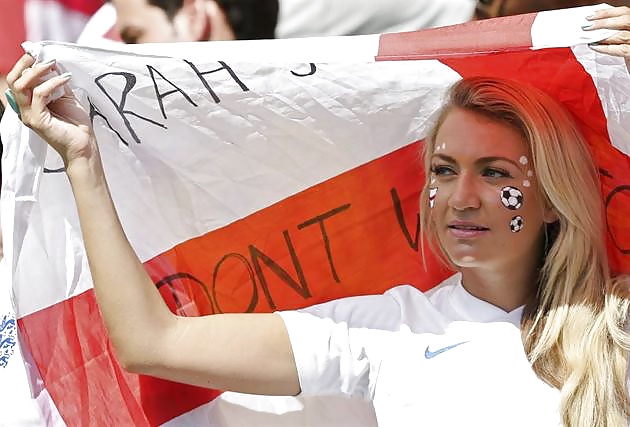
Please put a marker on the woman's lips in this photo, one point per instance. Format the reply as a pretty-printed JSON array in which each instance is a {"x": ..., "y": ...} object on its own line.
[{"x": 466, "y": 230}]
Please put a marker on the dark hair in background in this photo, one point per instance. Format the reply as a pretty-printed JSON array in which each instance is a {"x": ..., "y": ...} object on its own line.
[{"x": 249, "y": 19}]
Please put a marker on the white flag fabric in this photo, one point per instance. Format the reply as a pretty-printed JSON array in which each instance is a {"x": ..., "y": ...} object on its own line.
[{"x": 265, "y": 175}]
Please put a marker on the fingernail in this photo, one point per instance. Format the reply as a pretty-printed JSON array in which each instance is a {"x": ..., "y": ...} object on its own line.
[
  {"x": 594, "y": 44},
  {"x": 587, "y": 26},
  {"x": 589, "y": 17},
  {"x": 12, "y": 102},
  {"x": 48, "y": 63},
  {"x": 66, "y": 76}
]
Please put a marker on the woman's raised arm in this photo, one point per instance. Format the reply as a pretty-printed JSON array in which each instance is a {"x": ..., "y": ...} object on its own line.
[{"x": 248, "y": 353}]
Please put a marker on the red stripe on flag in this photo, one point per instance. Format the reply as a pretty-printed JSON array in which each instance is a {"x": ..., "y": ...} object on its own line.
[
  {"x": 492, "y": 35},
  {"x": 354, "y": 234},
  {"x": 70, "y": 348}
]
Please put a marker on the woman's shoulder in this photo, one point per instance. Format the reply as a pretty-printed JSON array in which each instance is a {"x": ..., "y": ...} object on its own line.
[
  {"x": 412, "y": 298},
  {"x": 401, "y": 307}
]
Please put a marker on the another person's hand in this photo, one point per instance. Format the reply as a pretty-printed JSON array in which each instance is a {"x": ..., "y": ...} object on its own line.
[
  {"x": 616, "y": 18},
  {"x": 63, "y": 123}
]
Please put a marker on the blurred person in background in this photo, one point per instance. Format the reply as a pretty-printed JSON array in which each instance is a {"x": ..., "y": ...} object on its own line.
[{"x": 151, "y": 21}]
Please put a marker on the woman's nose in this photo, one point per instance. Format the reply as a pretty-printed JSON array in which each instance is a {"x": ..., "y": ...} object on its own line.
[{"x": 464, "y": 193}]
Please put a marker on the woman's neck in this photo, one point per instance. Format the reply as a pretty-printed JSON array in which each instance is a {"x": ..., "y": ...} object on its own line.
[{"x": 507, "y": 288}]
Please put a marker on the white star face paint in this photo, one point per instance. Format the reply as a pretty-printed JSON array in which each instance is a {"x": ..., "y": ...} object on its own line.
[
  {"x": 516, "y": 224},
  {"x": 511, "y": 197},
  {"x": 523, "y": 160},
  {"x": 530, "y": 174},
  {"x": 526, "y": 183},
  {"x": 432, "y": 194}
]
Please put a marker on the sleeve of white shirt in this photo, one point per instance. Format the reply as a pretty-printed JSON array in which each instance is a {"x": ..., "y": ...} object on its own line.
[
  {"x": 368, "y": 311},
  {"x": 333, "y": 358}
]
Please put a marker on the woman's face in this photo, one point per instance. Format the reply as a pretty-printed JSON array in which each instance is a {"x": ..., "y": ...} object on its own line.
[{"x": 484, "y": 194}]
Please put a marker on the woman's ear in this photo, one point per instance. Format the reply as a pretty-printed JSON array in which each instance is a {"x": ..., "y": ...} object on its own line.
[{"x": 550, "y": 216}]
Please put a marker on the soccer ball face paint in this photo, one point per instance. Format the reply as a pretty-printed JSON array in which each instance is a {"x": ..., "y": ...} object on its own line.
[
  {"x": 516, "y": 224},
  {"x": 512, "y": 198}
]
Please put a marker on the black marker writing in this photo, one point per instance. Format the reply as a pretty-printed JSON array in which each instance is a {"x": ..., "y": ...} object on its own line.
[
  {"x": 223, "y": 66},
  {"x": 320, "y": 220},
  {"x": 253, "y": 302},
  {"x": 94, "y": 112},
  {"x": 313, "y": 69},
  {"x": 257, "y": 256},
  {"x": 130, "y": 82},
  {"x": 400, "y": 217},
  {"x": 616, "y": 192},
  {"x": 161, "y": 95},
  {"x": 171, "y": 280}
]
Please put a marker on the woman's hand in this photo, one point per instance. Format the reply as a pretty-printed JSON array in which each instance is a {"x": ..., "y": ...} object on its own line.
[
  {"x": 63, "y": 123},
  {"x": 616, "y": 18}
]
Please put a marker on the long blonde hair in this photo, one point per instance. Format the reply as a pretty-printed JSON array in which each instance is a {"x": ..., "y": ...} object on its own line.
[{"x": 573, "y": 330}]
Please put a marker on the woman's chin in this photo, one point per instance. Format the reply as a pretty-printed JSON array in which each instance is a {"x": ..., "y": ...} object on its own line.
[{"x": 464, "y": 259}]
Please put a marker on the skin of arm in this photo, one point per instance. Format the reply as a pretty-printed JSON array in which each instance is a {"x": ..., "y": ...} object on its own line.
[
  {"x": 249, "y": 353},
  {"x": 238, "y": 352}
]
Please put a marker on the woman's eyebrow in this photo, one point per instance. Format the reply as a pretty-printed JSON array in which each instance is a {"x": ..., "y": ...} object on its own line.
[
  {"x": 491, "y": 159},
  {"x": 480, "y": 161},
  {"x": 444, "y": 157}
]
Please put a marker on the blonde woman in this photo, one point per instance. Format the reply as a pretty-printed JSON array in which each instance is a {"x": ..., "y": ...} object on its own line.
[{"x": 530, "y": 332}]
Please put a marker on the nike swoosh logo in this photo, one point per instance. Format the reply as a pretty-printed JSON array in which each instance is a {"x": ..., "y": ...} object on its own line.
[{"x": 428, "y": 354}]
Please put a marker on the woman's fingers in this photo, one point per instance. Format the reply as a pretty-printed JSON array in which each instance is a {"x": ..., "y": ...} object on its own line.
[
  {"x": 42, "y": 94},
  {"x": 22, "y": 64},
  {"x": 617, "y": 45},
  {"x": 29, "y": 90},
  {"x": 621, "y": 37},
  {"x": 622, "y": 50},
  {"x": 29, "y": 78},
  {"x": 64, "y": 124},
  {"x": 32, "y": 75},
  {"x": 616, "y": 18},
  {"x": 612, "y": 18}
]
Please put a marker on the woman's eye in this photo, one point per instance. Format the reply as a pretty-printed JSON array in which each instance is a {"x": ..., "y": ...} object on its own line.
[
  {"x": 496, "y": 173},
  {"x": 442, "y": 170}
]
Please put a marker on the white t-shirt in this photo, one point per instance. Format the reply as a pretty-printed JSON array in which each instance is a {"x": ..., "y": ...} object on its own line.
[
  {"x": 309, "y": 18},
  {"x": 454, "y": 360}
]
